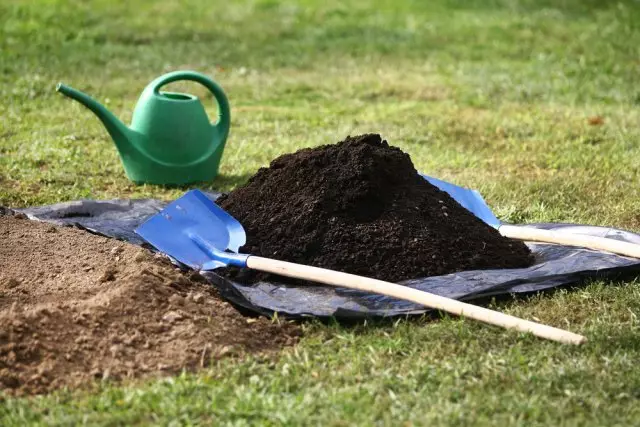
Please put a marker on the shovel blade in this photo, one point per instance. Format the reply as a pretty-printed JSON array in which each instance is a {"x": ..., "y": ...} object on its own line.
[
  {"x": 469, "y": 199},
  {"x": 194, "y": 231}
]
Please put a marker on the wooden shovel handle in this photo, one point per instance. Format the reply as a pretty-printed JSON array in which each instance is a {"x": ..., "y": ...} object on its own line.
[
  {"x": 426, "y": 299},
  {"x": 563, "y": 238}
]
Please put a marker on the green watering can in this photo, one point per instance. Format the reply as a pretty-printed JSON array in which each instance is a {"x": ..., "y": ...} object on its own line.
[{"x": 171, "y": 140}]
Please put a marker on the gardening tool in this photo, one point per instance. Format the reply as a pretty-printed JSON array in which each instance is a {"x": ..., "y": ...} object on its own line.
[
  {"x": 200, "y": 234},
  {"x": 171, "y": 140},
  {"x": 473, "y": 201}
]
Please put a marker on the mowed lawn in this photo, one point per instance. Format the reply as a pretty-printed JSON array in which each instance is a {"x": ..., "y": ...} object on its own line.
[{"x": 534, "y": 103}]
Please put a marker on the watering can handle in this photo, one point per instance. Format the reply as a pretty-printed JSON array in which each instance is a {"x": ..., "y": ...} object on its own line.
[{"x": 224, "y": 114}]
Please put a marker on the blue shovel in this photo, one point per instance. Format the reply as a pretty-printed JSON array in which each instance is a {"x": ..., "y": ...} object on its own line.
[
  {"x": 473, "y": 201},
  {"x": 200, "y": 234}
]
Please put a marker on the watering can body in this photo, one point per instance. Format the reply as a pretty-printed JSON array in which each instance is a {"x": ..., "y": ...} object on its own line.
[{"x": 171, "y": 140}]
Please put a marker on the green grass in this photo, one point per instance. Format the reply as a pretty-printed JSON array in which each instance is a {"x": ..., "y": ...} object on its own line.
[{"x": 494, "y": 95}]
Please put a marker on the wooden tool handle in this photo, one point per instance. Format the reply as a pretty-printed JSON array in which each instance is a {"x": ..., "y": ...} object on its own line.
[
  {"x": 563, "y": 238},
  {"x": 427, "y": 299}
]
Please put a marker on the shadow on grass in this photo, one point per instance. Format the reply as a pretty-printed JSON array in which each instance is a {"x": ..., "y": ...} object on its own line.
[{"x": 222, "y": 182}]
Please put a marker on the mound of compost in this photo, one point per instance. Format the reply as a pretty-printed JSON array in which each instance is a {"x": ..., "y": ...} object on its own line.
[
  {"x": 75, "y": 307},
  {"x": 360, "y": 206}
]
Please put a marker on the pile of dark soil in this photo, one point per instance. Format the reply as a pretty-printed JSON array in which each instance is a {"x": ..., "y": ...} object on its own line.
[
  {"x": 76, "y": 307},
  {"x": 360, "y": 206}
]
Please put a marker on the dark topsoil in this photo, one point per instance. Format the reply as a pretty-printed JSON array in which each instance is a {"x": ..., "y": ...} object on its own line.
[
  {"x": 360, "y": 206},
  {"x": 75, "y": 307}
]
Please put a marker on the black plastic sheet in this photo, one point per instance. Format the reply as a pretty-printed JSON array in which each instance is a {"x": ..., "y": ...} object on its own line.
[{"x": 555, "y": 266}]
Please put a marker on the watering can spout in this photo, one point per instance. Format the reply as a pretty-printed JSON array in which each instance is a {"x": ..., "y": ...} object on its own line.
[{"x": 118, "y": 130}]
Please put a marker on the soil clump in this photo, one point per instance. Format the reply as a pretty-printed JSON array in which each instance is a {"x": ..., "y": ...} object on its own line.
[
  {"x": 360, "y": 206},
  {"x": 75, "y": 307}
]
